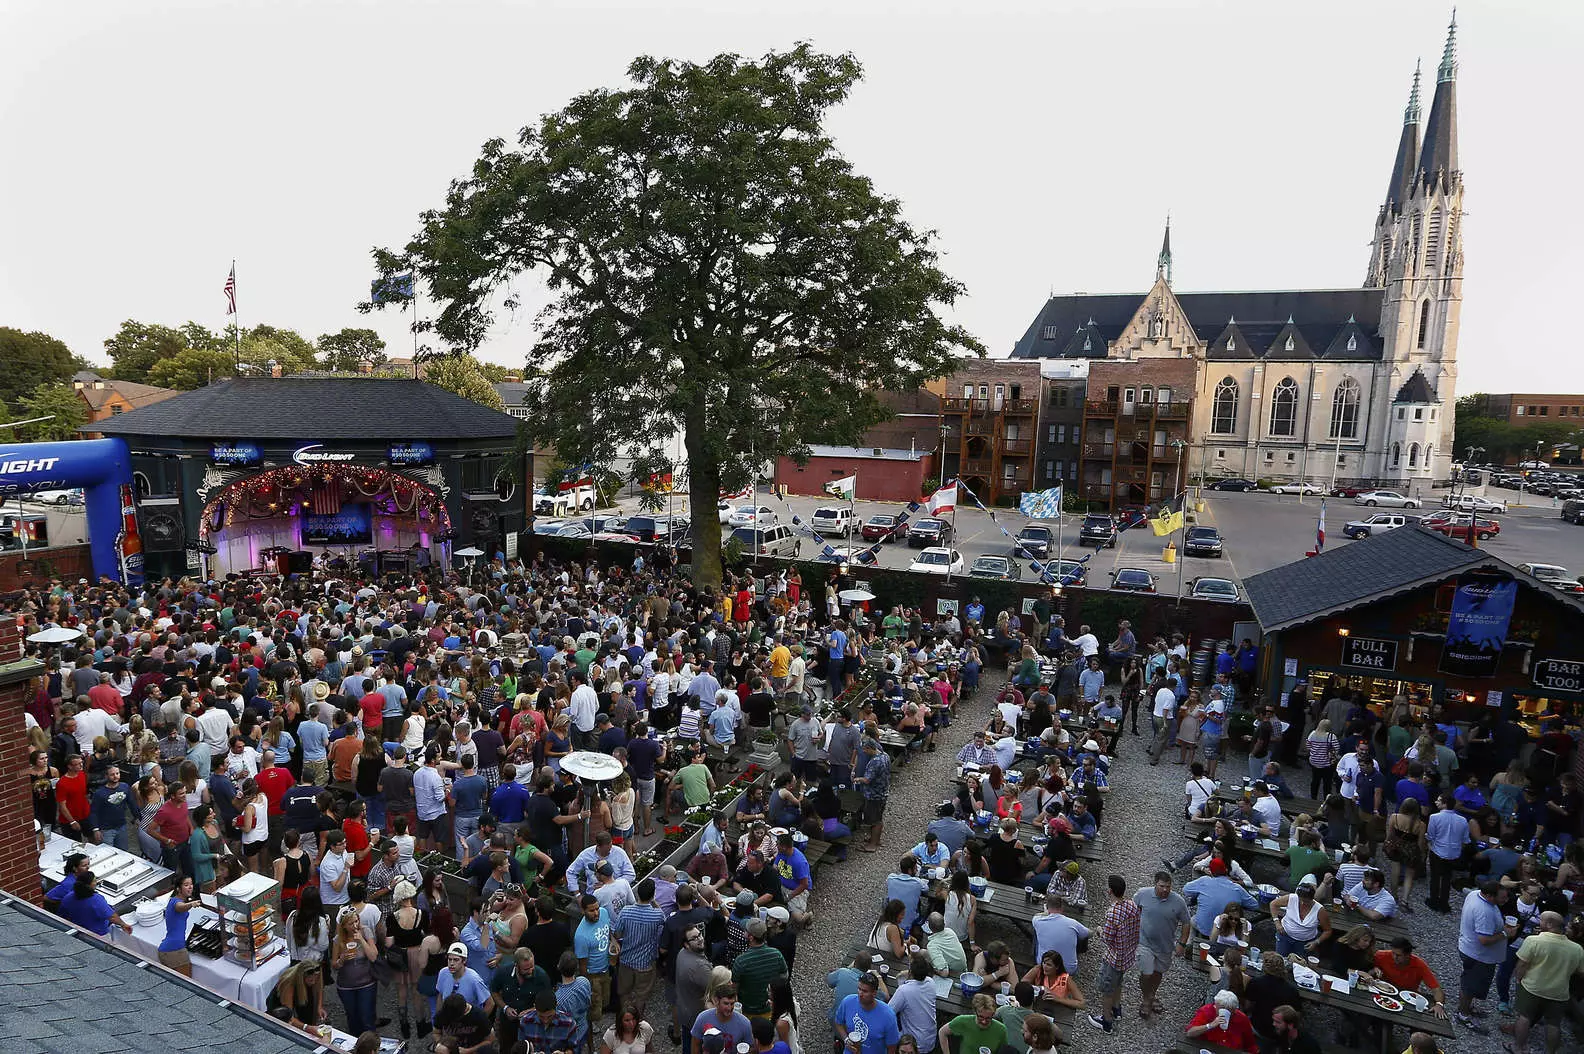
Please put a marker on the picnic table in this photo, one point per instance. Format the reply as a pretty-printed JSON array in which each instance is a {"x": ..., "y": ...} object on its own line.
[
  {"x": 1354, "y": 1004},
  {"x": 1344, "y": 918},
  {"x": 1012, "y": 903},
  {"x": 949, "y": 999},
  {"x": 1289, "y": 806},
  {"x": 1273, "y": 849}
]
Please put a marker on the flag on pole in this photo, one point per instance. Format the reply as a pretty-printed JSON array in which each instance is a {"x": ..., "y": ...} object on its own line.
[
  {"x": 1169, "y": 518},
  {"x": 230, "y": 291},
  {"x": 737, "y": 495},
  {"x": 398, "y": 287},
  {"x": 943, "y": 500},
  {"x": 845, "y": 487},
  {"x": 1041, "y": 504},
  {"x": 1320, "y": 529}
]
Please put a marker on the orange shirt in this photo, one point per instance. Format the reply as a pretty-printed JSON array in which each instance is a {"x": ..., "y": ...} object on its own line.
[
  {"x": 1406, "y": 978},
  {"x": 342, "y": 753}
]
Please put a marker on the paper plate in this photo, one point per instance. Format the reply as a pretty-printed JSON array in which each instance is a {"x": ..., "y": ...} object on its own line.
[
  {"x": 1386, "y": 1002},
  {"x": 1385, "y": 988}
]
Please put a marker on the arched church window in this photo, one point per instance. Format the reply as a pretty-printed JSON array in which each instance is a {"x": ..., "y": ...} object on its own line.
[
  {"x": 1396, "y": 454},
  {"x": 1284, "y": 408},
  {"x": 1424, "y": 323},
  {"x": 1413, "y": 455},
  {"x": 1223, "y": 413},
  {"x": 1344, "y": 410}
]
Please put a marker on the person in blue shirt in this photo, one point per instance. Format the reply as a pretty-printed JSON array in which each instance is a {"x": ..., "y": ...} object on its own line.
[
  {"x": 905, "y": 885},
  {"x": 468, "y": 791},
  {"x": 1212, "y": 893},
  {"x": 931, "y": 852},
  {"x": 1413, "y": 786},
  {"x": 975, "y": 611},
  {"x": 88, "y": 908},
  {"x": 792, "y": 867},
  {"x": 173, "y": 948},
  {"x": 315, "y": 740},
  {"x": 865, "y": 1025},
  {"x": 1091, "y": 681},
  {"x": 1084, "y": 825},
  {"x": 110, "y": 807},
  {"x": 460, "y": 978},
  {"x": 591, "y": 943},
  {"x": 1447, "y": 835},
  {"x": 509, "y": 801},
  {"x": 1483, "y": 935}
]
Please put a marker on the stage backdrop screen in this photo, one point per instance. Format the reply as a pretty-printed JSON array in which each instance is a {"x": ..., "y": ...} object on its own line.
[{"x": 351, "y": 526}]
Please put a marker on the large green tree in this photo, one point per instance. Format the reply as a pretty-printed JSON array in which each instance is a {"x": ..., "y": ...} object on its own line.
[
  {"x": 137, "y": 346},
  {"x": 192, "y": 368},
  {"x": 462, "y": 374},
  {"x": 28, "y": 360},
  {"x": 350, "y": 350},
  {"x": 61, "y": 404},
  {"x": 717, "y": 269},
  {"x": 1504, "y": 440}
]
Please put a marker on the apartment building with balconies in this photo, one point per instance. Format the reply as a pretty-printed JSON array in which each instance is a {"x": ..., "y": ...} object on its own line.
[
  {"x": 1137, "y": 425},
  {"x": 990, "y": 427}
]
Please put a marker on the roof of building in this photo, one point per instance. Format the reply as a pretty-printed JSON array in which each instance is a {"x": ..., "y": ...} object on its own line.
[
  {"x": 1416, "y": 389},
  {"x": 1370, "y": 569},
  {"x": 315, "y": 408},
  {"x": 874, "y": 453},
  {"x": 134, "y": 394},
  {"x": 513, "y": 393},
  {"x": 68, "y": 991},
  {"x": 1317, "y": 317}
]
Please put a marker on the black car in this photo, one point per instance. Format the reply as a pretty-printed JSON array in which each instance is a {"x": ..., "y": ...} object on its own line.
[
  {"x": 1098, "y": 531},
  {"x": 925, "y": 533},
  {"x": 1034, "y": 540},
  {"x": 1234, "y": 484},
  {"x": 1202, "y": 541}
]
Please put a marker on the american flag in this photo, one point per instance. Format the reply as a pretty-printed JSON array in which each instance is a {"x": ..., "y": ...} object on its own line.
[
  {"x": 230, "y": 291},
  {"x": 325, "y": 499},
  {"x": 1320, "y": 529}
]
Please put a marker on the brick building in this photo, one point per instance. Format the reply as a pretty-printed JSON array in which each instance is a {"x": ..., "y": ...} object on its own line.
[
  {"x": 1061, "y": 416},
  {"x": 884, "y": 474},
  {"x": 107, "y": 398},
  {"x": 1526, "y": 409},
  {"x": 1136, "y": 429},
  {"x": 989, "y": 425}
]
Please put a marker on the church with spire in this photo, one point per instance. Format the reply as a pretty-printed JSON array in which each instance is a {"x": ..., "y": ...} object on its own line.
[{"x": 1335, "y": 386}]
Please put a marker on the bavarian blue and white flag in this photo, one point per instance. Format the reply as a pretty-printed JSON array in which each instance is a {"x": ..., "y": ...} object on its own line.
[{"x": 1041, "y": 504}]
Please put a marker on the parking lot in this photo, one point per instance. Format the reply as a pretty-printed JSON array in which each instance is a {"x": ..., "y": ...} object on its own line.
[{"x": 1261, "y": 531}]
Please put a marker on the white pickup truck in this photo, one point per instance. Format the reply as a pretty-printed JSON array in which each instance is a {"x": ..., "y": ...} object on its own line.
[
  {"x": 564, "y": 499},
  {"x": 1376, "y": 524}
]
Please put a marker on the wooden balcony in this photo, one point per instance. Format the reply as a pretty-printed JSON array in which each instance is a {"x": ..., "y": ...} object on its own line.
[
  {"x": 990, "y": 406},
  {"x": 1017, "y": 447},
  {"x": 1102, "y": 450},
  {"x": 1099, "y": 408},
  {"x": 1021, "y": 407},
  {"x": 1171, "y": 412},
  {"x": 975, "y": 466}
]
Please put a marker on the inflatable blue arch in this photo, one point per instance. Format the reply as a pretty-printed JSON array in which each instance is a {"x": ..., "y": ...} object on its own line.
[{"x": 103, "y": 469}]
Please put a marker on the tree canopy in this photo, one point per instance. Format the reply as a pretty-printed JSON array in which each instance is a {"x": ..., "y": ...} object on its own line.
[
  {"x": 28, "y": 360},
  {"x": 1505, "y": 440},
  {"x": 717, "y": 270},
  {"x": 60, "y": 402},
  {"x": 192, "y": 368},
  {"x": 463, "y": 375},
  {"x": 350, "y": 350}
]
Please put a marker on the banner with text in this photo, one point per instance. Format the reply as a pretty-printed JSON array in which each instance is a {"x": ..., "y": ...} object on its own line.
[{"x": 1482, "y": 609}]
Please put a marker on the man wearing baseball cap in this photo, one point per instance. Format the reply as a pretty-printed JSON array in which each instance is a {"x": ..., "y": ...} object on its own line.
[{"x": 460, "y": 979}]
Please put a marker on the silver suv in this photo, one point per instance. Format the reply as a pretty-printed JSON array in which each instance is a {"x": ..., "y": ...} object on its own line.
[{"x": 775, "y": 540}]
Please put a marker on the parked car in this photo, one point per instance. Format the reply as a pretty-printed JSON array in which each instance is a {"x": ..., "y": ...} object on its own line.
[
  {"x": 1296, "y": 488},
  {"x": 848, "y": 554},
  {"x": 1573, "y": 510},
  {"x": 1534, "y": 464},
  {"x": 1201, "y": 540},
  {"x": 882, "y": 529},
  {"x": 1035, "y": 540},
  {"x": 69, "y": 496},
  {"x": 1390, "y": 499},
  {"x": 1066, "y": 572},
  {"x": 548, "y": 525},
  {"x": 928, "y": 532},
  {"x": 1235, "y": 483},
  {"x": 1133, "y": 580},
  {"x": 1554, "y": 575},
  {"x": 938, "y": 560},
  {"x": 833, "y": 519},
  {"x": 1379, "y": 523},
  {"x": 725, "y": 510},
  {"x": 750, "y": 516},
  {"x": 774, "y": 539},
  {"x": 999, "y": 567},
  {"x": 574, "y": 529},
  {"x": 656, "y": 528},
  {"x": 1347, "y": 491},
  {"x": 1098, "y": 531},
  {"x": 1223, "y": 589},
  {"x": 1130, "y": 516},
  {"x": 1473, "y": 503},
  {"x": 1456, "y": 525}
]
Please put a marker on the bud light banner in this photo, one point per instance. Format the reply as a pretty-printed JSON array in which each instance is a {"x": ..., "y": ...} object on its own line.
[
  {"x": 100, "y": 466},
  {"x": 414, "y": 453},
  {"x": 1482, "y": 608},
  {"x": 236, "y": 455}
]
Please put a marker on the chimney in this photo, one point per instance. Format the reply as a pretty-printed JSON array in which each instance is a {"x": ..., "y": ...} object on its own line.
[
  {"x": 19, "y": 873},
  {"x": 275, "y": 369}
]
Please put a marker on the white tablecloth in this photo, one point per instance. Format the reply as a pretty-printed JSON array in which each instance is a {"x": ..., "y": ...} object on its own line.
[{"x": 230, "y": 979}]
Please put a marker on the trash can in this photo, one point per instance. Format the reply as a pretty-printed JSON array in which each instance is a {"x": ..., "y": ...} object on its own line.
[{"x": 1169, "y": 554}]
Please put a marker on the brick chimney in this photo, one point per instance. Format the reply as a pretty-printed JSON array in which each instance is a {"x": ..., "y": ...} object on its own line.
[{"x": 19, "y": 873}]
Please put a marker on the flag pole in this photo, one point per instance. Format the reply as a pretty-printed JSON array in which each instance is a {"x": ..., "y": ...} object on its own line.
[
  {"x": 236, "y": 321},
  {"x": 1182, "y": 502}
]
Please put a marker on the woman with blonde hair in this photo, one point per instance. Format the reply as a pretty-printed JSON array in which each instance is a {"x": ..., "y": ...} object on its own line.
[
  {"x": 352, "y": 958},
  {"x": 1324, "y": 751},
  {"x": 720, "y": 977},
  {"x": 623, "y": 801},
  {"x": 409, "y": 924}
]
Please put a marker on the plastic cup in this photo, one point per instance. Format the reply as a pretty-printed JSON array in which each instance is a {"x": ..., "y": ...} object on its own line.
[{"x": 1006, "y": 987}]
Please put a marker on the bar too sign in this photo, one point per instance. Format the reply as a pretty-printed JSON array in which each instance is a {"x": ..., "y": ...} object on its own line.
[
  {"x": 1369, "y": 653},
  {"x": 1559, "y": 675}
]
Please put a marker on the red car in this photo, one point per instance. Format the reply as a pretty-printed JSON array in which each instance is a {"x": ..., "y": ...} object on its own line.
[
  {"x": 1458, "y": 526},
  {"x": 1348, "y": 492},
  {"x": 882, "y": 529}
]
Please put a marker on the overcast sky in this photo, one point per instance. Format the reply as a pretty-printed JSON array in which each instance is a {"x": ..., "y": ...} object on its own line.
[{"x": 147, "y": 144}]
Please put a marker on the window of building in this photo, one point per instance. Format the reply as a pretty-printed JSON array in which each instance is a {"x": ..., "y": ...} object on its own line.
[
  {"x": 1009, "y": 470},
  {"x": 1061, "y": 433},
  {"x": 1270, "y": 457},
  {"x": 1129, "y": 395},
  {"x": 1424, "y": 323},
  {"x": 1146, "y": 395},
  {"x": 967, "y": 391},
  {"x": 1344, "y": 410},
  {"x": 1401, "y": 414},
  {"x": 1050, "y": 434},
  {"x": 1284, "y": 408},
  {"x": 1048, "y": 333},
  {"x": 1105, "y": 477},
  {"x": 1220, "y": 455},
  {"x": 1016, "y": 391},
  {"x": 1050, "y": 470},
  {"x": 1012, "y": 430},
  {"x": 1110, "y": 435},
  {"x": 1061, "y": 393},
  {"x": 984, "y": 391},
  {"x": 1156, "y": 479},
  {"x": 1432, "y": 413},
  {"x": 1519, "y": 411},
  {"x": 1072, "y": 470},
  {"x": 1291, "y": 457},
  {"x": 1418, "y": 413},
  {"x": 1112, "y": 393},
  {"x": 1223, "y": 412},
  {"x": 1341, "y": 461},
  {"x": 1158, "y": 448},
  {"x": 1352, "y": 344},
  {"x": 1413, "y": 455},
  {"x": 1163, "y": 396},
  {"x": 117, "y": 409},
  {"x": 1545, "y": 411},
  {"x": 1396, "y": 454}
]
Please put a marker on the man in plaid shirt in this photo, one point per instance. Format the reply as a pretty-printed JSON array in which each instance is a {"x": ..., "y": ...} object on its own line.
[
  {"x": 545, "y": 1028},
  {"x": 1119, "y": 937}
]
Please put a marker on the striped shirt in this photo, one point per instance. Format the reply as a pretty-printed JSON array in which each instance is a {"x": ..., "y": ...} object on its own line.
[{"x": 639, "y": 926}]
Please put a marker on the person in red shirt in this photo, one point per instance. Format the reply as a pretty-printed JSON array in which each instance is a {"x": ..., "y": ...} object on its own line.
[
  {"x": 1401, "y": 967},
  {"x": 274, "y": 780},
  {"x": 357, "y": 839},
  {"x": 71, "y": 799},
  {"x": 105, "y": 697},
  {"x": 172, "y": 827},
  {"x": 1221, "y": 1022},
  {"x": 372, "y": 706}
]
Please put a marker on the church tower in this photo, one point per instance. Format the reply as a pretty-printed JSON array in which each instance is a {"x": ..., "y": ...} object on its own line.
[{"x": 1417, "y": 258}]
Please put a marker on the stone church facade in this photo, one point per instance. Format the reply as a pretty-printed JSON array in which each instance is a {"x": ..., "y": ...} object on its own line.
[{"x": 1345, "y": 385}]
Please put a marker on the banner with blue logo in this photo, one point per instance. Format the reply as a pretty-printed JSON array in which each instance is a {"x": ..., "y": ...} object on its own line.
[
  {"x": 236, "y": 455},
  {"x": 1482, "y": 609},
  {"x": 413, "y": 453},
  {"x": 351, "y": 526}
]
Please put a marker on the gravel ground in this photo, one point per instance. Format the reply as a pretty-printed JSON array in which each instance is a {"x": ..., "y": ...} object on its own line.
[{"x": 1142, "y": 823}]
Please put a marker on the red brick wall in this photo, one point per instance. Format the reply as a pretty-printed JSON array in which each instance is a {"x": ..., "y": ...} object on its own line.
[
  {"x": 65, "y": 562},
  {"x": 19, "y": 872},
  {"x": 878, "y": 480}
]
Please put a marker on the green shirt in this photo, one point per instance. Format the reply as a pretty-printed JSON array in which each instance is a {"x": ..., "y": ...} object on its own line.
[
  {"x": 1398, "y": 740},
  {"x": 526, "y": 861},
  {"x": 753, "y": 970},
  {"x": 1012, "y": 1016},
  {"x": 583, "y": 657},
  {"x": 976, "y": 1040},
  {"x": 946, "y": 953},
  {"x": 1553, "y": 960},
  {"x": 893, "y": 625},
  {"x": 1303, "y": 861},
  {"x": 695, "y": 784},
  {"x": 513, "y": 989}
]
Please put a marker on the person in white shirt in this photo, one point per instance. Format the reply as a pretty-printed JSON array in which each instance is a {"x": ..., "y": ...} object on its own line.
[
  {"x": 1370, "y": 897},
  {"x": 214, "y": 728},
  {"x": 1086, "y": 642},
  {"x": 1163, "y": 716},
  {"x": 93, "y": 722},
  {"x": 581, "y": 708},
  {"x": 1198, "y": 790},
  {"x": 1267, "y": 809}
]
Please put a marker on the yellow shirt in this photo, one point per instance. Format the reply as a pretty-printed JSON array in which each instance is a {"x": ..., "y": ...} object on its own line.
[
  {"x": 1552, "y": 959},
  {"x": 780, "y": 661}
]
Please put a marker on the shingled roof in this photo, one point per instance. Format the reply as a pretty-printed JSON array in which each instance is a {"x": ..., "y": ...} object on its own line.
[
  {"x": 317, "y": 408},
  {"x": 63, "y": 990}
]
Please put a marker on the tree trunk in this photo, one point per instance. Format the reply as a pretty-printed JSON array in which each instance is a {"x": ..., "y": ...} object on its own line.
[{"x": 703, "y": 497}]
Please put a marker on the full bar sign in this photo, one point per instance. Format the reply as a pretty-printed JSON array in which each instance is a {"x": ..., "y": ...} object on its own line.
[
  {"x": 1559, "y": 675},
  {"x": 1369, "y": 653}
]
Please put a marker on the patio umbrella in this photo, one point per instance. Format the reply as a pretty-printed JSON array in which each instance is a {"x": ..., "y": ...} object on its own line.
[
  {"x": 54, "y": 635},
  {"x": 856, "y": 596}
]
